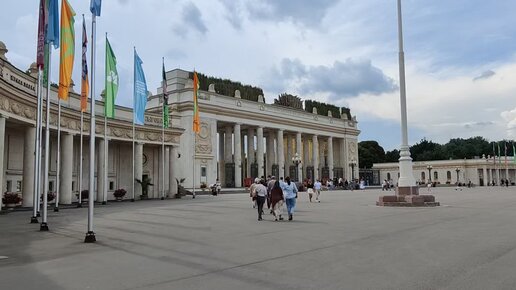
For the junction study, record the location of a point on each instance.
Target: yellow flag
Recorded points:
(196, 119)
(67, 49)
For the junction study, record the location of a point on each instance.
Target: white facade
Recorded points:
(259, 127)
(249, 138)
(478, 171)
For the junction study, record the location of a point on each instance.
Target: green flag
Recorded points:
(111, 82)
(45, 66)
(166, 121)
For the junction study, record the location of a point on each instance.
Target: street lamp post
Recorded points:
(296, 160)
(457, 170)
(353, 163)
(429, 167)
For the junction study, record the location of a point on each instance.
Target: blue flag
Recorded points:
(140, 91)
(52, 34)
(95, 7)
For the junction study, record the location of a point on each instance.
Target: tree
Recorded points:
(392, 156)
(370, 152)
(427, 150)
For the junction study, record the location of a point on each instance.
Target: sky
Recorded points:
(460, 55)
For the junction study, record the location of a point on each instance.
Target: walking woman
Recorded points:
(290, 192)
(277, 200)
(260, 193)
(310, 189)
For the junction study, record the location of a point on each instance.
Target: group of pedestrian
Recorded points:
(276, 193)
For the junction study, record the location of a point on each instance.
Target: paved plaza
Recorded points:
(344, 242)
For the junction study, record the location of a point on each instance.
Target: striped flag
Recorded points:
(196, 119)
(67, 51)
(85, 86)
(166, 121)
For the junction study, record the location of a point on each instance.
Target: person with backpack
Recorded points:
(290, 193)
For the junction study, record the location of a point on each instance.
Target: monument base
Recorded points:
(408, 197)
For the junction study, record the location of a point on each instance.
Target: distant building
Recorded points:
(479, 171)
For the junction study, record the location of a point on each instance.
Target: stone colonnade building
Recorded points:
(242, 139)
(18, 107)
(479, 171)
(234, 134)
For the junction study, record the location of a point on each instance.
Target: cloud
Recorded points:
(485, 75)
(307, 12)
(191, 19)
(510, 118)
(342, 79)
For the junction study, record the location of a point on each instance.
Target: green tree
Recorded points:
(392, 156)
(370, 152)
(427, 150)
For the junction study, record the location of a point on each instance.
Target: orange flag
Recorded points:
(67, 49)
(196, 119)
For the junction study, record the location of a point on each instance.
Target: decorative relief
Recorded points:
(152, 136)
(239, 104)
(203, 139)
(316, 118)
(352, 149)
(262, 108)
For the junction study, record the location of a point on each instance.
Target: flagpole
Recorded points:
(193, 163)
(58, 172)
(34, 218)
(163, 140)
(90, 235)
(44, 224)
(79, 199)
(104, 190)
(134, 120)
(134, 180)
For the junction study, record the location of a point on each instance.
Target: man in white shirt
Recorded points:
(317, 189)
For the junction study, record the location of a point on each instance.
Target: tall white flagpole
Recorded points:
(163, 139)
(58, 172)
(134, 180)
(193, 162)
(90, 235)
(104, 193)
(79, 198)
(37, 152)
(44, 224)
(163, 155)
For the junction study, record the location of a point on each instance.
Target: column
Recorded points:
(484, 175)
(250, 150)
(306, 154)
(298, 151)
(228, 146)
(172, 171)
(66, 169)
(342, 158)
(270, 153)
(2, 143)
(221, 158)
(259, 151)
(238, 156)
(242, 152)
(290, 154)
(315, 156)
(330, 156)
(29, 149)
(101, 176)
(281, 154)
(138, 168)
